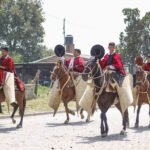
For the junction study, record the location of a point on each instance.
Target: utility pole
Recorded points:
(64, 29)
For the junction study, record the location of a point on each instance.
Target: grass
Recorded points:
(40, 104)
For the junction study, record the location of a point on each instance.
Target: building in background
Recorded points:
(27, 71)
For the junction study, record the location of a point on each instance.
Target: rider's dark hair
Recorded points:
(4, 48)
(78, 50)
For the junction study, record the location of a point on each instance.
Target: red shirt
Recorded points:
(78, 64)
(9, 66)
(147, 67)
(116, 62)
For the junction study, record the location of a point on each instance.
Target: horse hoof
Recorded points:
(87, 120)
(13, 121)
(82, 117)
(136, 126)
(72, 113)
(103, 135)
(127, 125)
(66, 122)
(122, 132)
(19, 126)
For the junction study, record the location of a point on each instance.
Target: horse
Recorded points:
(104, 99)
(21, 104)
(143, 92)
(67, 89)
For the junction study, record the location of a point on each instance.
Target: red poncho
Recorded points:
(8, 65)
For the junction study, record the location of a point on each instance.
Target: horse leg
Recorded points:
(1, 109)
(81, 113)
(13, 113)
(67, 113)
(106, 125)
(149, 117)
(22, 105)
(71, 112)
(103, 133)
(125, 122)
(137, 117)
(88, 118)
(125, 119)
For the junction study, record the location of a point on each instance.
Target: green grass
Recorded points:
(40, 104)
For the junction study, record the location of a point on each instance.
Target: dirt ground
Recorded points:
(43, 132)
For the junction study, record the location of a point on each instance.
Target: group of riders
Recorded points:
(75, 66)
(111, 61)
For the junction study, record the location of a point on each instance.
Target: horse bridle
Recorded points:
(93, 76)
(58, 74)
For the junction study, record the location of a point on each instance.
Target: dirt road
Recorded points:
(44, 132)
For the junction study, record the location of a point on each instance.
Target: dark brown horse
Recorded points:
(143, 91)
(67, 88)
(106, 99)
(21, 103)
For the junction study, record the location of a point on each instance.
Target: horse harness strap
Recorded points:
(146, 92)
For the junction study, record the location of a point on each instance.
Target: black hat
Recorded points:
(98, 51)
(59, 50)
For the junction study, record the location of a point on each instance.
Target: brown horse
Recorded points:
(106, 99)
(21, 103)
(143, 91)
(67, 88)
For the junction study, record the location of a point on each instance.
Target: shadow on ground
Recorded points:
(7, 130)
(140, 129)
(94, 139)
(80, 123)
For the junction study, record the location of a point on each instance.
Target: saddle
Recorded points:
(111, 79)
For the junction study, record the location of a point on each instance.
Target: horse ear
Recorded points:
(59, 63)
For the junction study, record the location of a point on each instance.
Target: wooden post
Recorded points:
(36, 81)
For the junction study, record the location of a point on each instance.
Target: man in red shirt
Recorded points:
(76, 63)
(7, 65)
(147, 67)
(113, 61)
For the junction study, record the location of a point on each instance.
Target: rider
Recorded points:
(147, 67)
(76, 63)
(113, 62)
(7, 65)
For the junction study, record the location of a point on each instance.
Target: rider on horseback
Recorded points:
(7, 65)
(113, 62)
(147, 67)
(76, 63)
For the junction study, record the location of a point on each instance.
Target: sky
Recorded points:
(89, 21)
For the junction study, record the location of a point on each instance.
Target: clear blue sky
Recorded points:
(89, 21)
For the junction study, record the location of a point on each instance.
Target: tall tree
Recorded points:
(131, 41)
(21, 27)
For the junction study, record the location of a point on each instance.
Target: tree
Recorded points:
(21, 27)
(132, 41)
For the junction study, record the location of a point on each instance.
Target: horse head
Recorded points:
(58, 71)
(93, 71)
(140, 75)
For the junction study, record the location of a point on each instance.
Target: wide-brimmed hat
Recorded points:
(59, 50)
(98, 51)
